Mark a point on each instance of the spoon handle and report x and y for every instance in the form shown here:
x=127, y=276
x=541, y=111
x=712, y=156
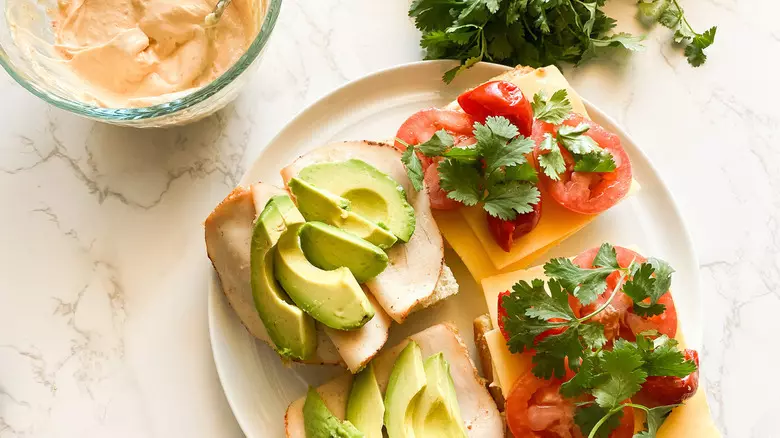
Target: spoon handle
x=213, y=18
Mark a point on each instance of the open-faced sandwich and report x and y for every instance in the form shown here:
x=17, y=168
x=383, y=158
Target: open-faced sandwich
x=513, y=167
x=590, y=347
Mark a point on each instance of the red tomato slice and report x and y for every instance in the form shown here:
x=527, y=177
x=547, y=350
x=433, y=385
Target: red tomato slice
x=587, y=192
x=619, y=319
x=499, y=98
x=505, y=232
x=669, y=390
x=536, y=409
x=421, y=126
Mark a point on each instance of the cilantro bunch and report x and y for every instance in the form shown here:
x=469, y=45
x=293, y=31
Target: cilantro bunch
x=494, y=171
x=539, y=317
x=587, y=154
x=536, y=32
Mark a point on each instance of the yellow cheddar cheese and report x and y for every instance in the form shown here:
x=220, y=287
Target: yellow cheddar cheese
x=691, y=419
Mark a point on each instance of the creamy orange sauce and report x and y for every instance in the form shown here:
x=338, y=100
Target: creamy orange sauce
x=133, y=53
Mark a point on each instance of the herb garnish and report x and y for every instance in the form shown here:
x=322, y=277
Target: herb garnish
x=546, y=323
x=494, y=171
x=587, y=155
x=538, y=32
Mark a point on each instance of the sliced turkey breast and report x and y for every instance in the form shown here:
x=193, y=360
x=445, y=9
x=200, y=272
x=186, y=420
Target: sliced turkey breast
x=410, y=281
x=228, y=237
x=358, y=347
x=478, y=410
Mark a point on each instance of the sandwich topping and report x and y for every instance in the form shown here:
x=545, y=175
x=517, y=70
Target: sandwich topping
x=504, y=151
x=600, y=332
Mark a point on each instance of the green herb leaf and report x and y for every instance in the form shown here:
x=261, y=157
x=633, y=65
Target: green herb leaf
x=585, y=284
x=595, y=162
x=662, y=357
x=648, y=283
x=572, y=138
x=589, y=416
x=413, y=166
x=623, y=366
x=506, y=200
x=461, y=180
x=439, y=143
x=654, y=419
x=552, y=162
x=553, y=110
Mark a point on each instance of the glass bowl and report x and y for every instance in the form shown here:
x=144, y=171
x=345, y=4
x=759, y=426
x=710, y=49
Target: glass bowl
x=22, y=63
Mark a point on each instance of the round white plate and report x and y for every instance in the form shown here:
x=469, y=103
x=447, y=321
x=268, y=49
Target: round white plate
x=259, y=387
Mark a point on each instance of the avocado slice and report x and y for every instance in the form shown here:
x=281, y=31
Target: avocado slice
x=372, y=193
x=291, y=330
x=438, y=413
x=319, y=205
x=365, y=408
x=328, y=248
x=319, y=421
x=407, y=383
x=333, y=298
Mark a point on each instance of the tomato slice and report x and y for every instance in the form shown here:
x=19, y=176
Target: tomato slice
x=535, y=408
x=499, y=98
x=619, y=319
x=587, y=192
x=669, y=390
x=421, y=126
x=505, y=232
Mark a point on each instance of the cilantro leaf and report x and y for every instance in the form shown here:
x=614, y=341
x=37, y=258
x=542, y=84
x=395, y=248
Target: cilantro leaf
x=589, y=416
x=437, y=145
x=521, y=328
x=462, y=154
x=557, y=306
x=553, y=110
x=595, y=162
x=502, y=127
x=432, y=14
x=630, y=42
x=623, y=366
x=506, y=200
x=523, y=172
x=413, y=166
x=585, y=284
x=583, y=381
x=552, y=163
x=655, y=417
x=662, y=358
x=572, y=138
x=651, y=10
x=461, y=180
x=647, y=285
x=593, y=335
x=552, y=351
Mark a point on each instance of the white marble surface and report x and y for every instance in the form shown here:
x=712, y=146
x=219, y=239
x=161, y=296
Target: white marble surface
x=103, y=326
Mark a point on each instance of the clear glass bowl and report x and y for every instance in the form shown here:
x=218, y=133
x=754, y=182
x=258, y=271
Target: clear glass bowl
x=31, y=16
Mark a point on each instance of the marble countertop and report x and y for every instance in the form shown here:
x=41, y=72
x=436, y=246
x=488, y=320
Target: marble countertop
x=103, y=328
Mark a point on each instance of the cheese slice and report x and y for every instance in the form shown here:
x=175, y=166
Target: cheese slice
x=479, y=251
x=691, y=419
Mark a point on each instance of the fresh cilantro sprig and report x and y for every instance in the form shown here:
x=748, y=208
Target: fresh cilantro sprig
x=670, y=14
x=525, y=323
x=494, y=171
x=587, y=154
x=540, y=317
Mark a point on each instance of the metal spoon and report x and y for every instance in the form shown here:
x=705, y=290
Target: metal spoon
x=213, y=18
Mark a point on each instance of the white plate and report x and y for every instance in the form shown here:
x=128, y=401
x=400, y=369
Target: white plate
x=257, y=385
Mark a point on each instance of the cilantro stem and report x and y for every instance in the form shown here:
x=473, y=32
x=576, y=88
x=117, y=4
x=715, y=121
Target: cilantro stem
x=682, y=17
x=603, y=420
x=618, y=286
